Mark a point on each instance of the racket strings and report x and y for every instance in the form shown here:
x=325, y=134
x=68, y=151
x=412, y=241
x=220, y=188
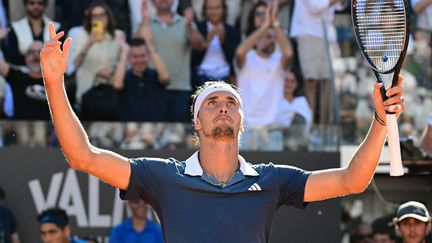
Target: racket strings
x=382, y=29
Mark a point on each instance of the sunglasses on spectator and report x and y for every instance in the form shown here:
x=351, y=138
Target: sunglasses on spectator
x=32, y=3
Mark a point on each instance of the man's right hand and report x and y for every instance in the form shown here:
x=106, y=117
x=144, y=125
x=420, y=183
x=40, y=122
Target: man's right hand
x=54, y=62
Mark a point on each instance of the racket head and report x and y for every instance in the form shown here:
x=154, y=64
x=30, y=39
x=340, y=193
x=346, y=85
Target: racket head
x=381, y=29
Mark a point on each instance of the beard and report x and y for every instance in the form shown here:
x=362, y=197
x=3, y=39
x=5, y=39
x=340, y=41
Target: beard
x=223, y=133
x=35, y=14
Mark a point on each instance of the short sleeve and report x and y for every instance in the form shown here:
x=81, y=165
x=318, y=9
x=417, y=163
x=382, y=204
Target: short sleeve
x=292, y=183
x=146, y=179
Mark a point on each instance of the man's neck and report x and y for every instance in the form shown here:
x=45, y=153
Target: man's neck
x=139, y=224
x=35, y=22
x=219, y=159
x=165, y=16
x=262, y=54
x=138, y=73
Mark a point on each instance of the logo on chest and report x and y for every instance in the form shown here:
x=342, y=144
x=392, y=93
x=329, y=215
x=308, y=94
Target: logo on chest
x=254, y=187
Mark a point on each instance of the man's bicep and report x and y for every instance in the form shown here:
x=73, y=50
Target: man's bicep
x=111, y=168
x=325, y=184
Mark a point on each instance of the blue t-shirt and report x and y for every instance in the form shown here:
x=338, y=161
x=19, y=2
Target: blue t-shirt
x=125, y=232
x=192, y=209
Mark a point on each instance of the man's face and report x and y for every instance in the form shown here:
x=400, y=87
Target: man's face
x=413, y=230
x=267, y=42
x=51, y=233
x=214, y=11
x=139, y=58
x=139, y=208
x=163, y=5
x=220, y=117
x=381, y=238
x=35, y=8
x=32, y=56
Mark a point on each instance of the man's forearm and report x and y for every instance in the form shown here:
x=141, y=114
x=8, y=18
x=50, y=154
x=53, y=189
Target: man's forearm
x=120, y=71
x=285, y=46
x=161, y=68
x=196, y=40
x=248, y=44
x=364, y=162
x=71, y=134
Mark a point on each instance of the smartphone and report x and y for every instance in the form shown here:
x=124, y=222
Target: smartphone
x=98, y=29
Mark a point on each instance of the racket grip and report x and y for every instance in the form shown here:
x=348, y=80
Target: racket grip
x=396, y=168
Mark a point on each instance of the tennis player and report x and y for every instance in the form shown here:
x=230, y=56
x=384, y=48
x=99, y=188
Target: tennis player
x=215, y=187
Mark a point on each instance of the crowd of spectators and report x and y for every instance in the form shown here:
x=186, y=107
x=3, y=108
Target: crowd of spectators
x=296, y=64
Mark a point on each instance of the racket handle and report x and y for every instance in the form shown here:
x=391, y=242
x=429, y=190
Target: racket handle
x=396, y=168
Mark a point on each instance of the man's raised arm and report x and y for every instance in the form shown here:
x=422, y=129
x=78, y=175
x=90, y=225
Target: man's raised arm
x=80, y=154
x=356, y=176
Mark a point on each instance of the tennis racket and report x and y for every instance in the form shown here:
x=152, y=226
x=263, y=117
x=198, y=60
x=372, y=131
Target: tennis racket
x=381, y=28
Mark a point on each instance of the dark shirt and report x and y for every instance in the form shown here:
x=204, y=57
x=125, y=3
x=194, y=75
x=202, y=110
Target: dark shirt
x=143, y=98
x=193, y=209
x=29, y=98
x=7, y=225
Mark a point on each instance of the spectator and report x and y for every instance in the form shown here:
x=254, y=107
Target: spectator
x=173, y=37
x=54, y=227
x=295, y=115
x=33, y=27
x=137, y=228
x=136, y=13
x=362, y=233
x=142, y=89
x=232, y=12
x=8, y=227
x=71, y=13
x=260, y=77
x=383, y=230
x=222, y=39
x=97, y=49
x=312, y=24
x=27, y=86
x=413, y=222
x=16, y=9
x=256, y=17
x=250, y=11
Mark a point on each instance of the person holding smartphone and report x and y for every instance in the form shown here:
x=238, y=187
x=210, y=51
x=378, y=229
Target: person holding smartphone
x=96, y=49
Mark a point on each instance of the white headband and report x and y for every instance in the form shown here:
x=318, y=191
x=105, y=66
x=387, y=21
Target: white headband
x=211, y=89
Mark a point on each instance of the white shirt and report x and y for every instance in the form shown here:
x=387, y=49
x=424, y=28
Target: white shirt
x=214, y=63
x=288, y=109
x=261, y=82
x=309, y=16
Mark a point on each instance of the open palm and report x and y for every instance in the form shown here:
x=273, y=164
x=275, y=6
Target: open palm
x=54, y=62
